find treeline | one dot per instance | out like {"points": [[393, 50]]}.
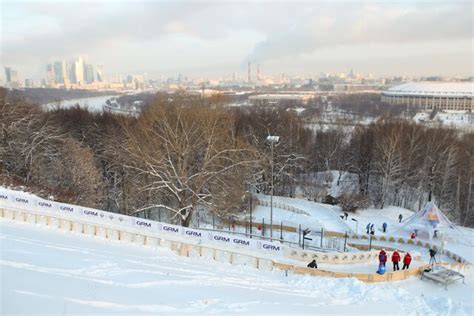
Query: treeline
{"points": [[370, 105], [185, 153], [400, 163]]}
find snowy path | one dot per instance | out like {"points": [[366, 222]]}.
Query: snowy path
{"points": [[320, 215], [49, 271]]}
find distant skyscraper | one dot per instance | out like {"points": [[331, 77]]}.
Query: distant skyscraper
{"points": [[11, 77], [8, 74], [248, 72], [29, 83], [50, 78], [59, 72], [100, 73], [79, 70], [71, 72], [88, 73]]}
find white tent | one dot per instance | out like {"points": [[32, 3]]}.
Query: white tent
{"points": [[430, 221]]}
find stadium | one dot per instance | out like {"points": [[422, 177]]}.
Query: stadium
{"points": [[456, 96]]}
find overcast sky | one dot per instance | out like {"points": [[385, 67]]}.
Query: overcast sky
{"points": [[219, 37]]}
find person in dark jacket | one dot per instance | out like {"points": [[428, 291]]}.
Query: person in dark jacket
{"points": [[384, 227], [406, 261], [432, 255], [368, 228], [313, 264], [400, 217], [382, 257], [395, 260]]}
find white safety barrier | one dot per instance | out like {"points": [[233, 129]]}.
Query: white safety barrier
{"points": [[83, 220]]}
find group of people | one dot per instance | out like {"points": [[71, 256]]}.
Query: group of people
{"points": [[383, 257], [371, 229]]}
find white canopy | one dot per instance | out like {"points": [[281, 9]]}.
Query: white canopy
{"points": [[430, 219]]}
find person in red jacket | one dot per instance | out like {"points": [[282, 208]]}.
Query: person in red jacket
{"points": [[395, 260], [406, 261], [382, 257]]}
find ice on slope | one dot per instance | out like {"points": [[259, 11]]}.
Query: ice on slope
{"points": [[48, 271]]}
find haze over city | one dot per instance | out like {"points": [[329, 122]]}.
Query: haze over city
{"points": [[217, 39]]}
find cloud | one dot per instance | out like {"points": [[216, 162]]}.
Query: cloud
{"points": [[354, 25], [154, 35]]}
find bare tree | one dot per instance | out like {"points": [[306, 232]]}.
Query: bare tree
{"points": [[190, 157]]}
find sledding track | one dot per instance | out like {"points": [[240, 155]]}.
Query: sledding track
{"points": [[183, 247]]}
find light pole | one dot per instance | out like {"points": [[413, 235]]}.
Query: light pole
{"points": [[357, 224], [272, 140], [250, 209]]}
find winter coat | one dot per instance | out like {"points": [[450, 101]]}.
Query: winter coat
{"points": [[407, 259], [395, 256], [383, 257], [313, 264]]}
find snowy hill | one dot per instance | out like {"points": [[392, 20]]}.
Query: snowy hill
{"points": [[48, 271], [314, 215]]}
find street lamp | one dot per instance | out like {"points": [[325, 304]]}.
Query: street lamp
{"points": [[357, 224], [250, 209], [272, 139]]}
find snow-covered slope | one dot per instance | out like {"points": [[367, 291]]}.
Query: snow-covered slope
{"points": [[316, 215], [48, 271]]}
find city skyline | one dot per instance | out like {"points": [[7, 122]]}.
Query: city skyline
{"points": [[211, 39]]}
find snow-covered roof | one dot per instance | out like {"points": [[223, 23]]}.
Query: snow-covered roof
{"points": [[433, 88]]}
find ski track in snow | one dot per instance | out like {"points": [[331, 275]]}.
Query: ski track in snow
{"points": [[50, 271]]}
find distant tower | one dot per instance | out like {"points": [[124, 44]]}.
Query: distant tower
{"points": [[248, 72], [100, 73], [50, 74], [258, 72], [79, 70]]}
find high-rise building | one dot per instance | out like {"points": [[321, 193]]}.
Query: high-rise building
{"points": [[88, 73], [50, 78], [11, 77], [29, 83], [8, 74], [71, 72], [59, 72], [100, 73], [79, 70]]}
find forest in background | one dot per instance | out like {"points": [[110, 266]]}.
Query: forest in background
{"points": [[188, 152]]}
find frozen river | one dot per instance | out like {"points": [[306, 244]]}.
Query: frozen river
{"points": [[93, 104]]}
